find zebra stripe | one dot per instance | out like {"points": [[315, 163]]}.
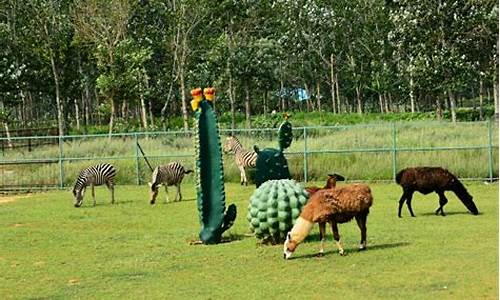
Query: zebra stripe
{"points": [[96, 175], [169, 174], [243, 158]]}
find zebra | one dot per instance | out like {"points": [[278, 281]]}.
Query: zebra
{"points": [[243, 158], [94, 175], [169, 174]]}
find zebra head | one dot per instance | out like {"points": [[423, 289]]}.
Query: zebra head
{"points": [[231, 144], [78, 194], [153, 192]]}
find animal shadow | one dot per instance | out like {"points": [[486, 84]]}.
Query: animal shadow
{"points": [[353, 250], [427, 214]]}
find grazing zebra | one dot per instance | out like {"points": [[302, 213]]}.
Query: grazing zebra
{"points": [[94, 175], [170, 174], [244, 159]]}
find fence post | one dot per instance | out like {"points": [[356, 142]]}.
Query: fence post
{"points": [[490, 151], [394, 152], [61, 161], [137, 170], [305, 154]]}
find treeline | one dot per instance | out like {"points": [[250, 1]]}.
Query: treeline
{"points": [[94, 62]]}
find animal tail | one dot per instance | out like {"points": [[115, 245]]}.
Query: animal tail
{"points": [[188, 171], [464, 196], [399, 175]]}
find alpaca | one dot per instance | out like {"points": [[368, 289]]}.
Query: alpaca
{"points": [[333, 205], [331, 182], [432, 179]]}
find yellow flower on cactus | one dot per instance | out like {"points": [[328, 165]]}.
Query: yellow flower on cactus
{"points": [[197, 97], [209, 94]]}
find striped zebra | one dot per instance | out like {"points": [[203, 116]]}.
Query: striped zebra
{"points": [[94, 175], [169, 174], [243, 158]]}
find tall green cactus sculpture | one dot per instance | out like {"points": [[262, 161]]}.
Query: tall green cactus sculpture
{"points": [[214, 218], [271, 163]]}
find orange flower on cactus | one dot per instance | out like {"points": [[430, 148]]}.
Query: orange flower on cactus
{"points": [[209, 93], [197, 97]]}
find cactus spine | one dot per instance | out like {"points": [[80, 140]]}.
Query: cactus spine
{"points": [[214, 218]]}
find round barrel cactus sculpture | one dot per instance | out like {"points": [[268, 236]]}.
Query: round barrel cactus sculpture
{"points": [[274, 207]]}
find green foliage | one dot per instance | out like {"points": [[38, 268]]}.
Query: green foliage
{"points": [[274, 207]]}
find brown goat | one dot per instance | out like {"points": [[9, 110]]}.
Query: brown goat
{"points": [[331, 182], [432, 179], [336, 205]]}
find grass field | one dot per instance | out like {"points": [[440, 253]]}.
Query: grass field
{"points": [[132, 250]]}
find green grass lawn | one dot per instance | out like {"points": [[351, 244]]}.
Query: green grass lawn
{"points": [[49, 249]]}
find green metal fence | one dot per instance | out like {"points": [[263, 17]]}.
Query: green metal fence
{"points": [[360, 152]]}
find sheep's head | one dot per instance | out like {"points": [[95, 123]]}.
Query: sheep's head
{"points": [[289, 246]]}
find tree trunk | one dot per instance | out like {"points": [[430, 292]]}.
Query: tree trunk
{"points": [[481, 116], [60, 107], [247, 105], [412, 96], [337, 90], [358, 100], [439, 109], [150, 109], [112, 115], [453, 111], [318, 96], [386, 103], [332, 83], [183, 99], [495, 97], [282, 91], [231, 100], [77, 114], [381, 102], [144, 117]]}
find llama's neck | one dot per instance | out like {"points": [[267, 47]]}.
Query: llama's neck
{"points": [[300, 230]]}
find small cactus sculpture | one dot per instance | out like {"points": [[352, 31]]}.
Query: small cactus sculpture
{"points": [[214, 218], [274, 207], [271, 163]]}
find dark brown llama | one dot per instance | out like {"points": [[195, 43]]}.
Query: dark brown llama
{"points": [[432, 179]]}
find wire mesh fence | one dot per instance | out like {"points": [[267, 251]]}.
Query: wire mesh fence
{"points": [[359, 152]]}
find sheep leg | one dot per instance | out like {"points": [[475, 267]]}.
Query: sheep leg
{"points": [[442, 202], [361, 220], [407, 195], [322, 234], [336, 237], [408, 203]]}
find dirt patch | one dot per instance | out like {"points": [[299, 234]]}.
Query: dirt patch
{"points": [[7, 199]]}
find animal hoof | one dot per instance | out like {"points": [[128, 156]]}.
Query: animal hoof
{"points": [[362, 248], [320, 254], [342, 253]]}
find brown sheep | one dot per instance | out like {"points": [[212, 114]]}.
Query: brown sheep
{"points": [[432, 179], [331, 182], [337, 205]]}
